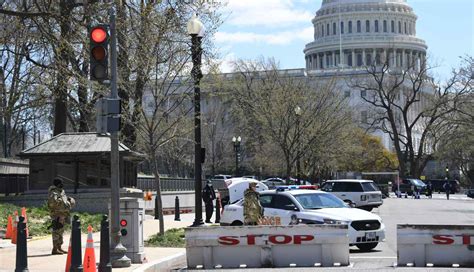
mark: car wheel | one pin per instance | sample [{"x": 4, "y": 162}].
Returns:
[
  {"x": 367, "y": 208},
  {"x": 367, "y": 246},
  {"x": 236, "y": 223}
]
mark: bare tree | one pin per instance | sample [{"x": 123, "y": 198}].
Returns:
[
  {"x": 290, "y": 112},
  {"x": 409, "y": 105}
]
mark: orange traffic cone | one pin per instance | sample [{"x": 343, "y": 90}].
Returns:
[
  {"x": 23, "y": 213},
  {"x": 9, "y": 233},
  {"x": 89, "y": 257},
  {"x": 68, "y": 259},
  {"x": 15, "y": 224}
]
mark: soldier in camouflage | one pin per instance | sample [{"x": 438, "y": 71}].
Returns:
[
  {"x": 253, "y": 211},
  {"x": 59, "y": 206}
]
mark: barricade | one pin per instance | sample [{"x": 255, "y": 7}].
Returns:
[
  {"x": 267, "y": 246},
  {"x": 435, "y": 245}
]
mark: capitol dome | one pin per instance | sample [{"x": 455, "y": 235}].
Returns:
[{"x": 364, "y": 32}]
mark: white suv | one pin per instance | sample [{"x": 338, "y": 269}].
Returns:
[
  {"x": 362, "y": 194},
  {"x": 287, "y": 207}
]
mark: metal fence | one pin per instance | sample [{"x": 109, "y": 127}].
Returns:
[
  {"x": 13, "y": 184},
  {"x": 174, "y": 184},
  {"x": 167, "y": 184}
]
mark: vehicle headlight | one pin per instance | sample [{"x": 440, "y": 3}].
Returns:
[{"x": 334, "y": 222}]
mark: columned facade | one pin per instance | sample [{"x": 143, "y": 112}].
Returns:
[{"x": 370, "y": 31}]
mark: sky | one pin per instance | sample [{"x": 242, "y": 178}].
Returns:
[{"x": 281, "y": 28}]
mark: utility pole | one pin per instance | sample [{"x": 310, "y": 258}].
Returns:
[{"x": 118, "y": 257}]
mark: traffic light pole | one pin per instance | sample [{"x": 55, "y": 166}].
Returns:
[{"x": 117, "y": 250}]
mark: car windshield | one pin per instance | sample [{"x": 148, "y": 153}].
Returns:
[
  {"x": 369, "y": 187},
  {"x": 418, "y": 182},
  {"x": 319, "y": 201}
]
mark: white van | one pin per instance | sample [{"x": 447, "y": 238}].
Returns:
[{"x": 362, "y": 194}]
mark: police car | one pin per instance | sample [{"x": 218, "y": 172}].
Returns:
[{"x": 287, "y": 206}]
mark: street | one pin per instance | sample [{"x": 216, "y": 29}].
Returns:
[{"x": 458, "y": 210}]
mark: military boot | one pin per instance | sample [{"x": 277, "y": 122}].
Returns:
[
  {"x": 62, "y": 250},
  {"x": 56, "y": 251}
]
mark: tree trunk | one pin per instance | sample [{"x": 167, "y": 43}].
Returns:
[
  {"x": 158, "y": 200},
  {"x": 60, "y": 90}
]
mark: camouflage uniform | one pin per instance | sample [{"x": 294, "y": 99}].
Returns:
[
  {"x": 59, "y": 206},
  {"x": 253, "y": 211}
]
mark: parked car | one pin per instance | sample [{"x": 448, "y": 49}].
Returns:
[
  {"x": 470, "y": 193},
  {"x": 293, "y": 206},
  {"x": 362, "y": 194},
  {"x": 272, "y": 183},
  {"x": 438, "y": 184},
  {"x": 406, "y": 186}
]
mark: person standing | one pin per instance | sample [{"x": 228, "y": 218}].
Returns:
[
  {"x": 208, "y": 196},
  {"x": 429, "y": 189},
  {"x": 447, "y": 188},
  {"x": 253, "y": 210},
  {"x": 59, "y": 206}
]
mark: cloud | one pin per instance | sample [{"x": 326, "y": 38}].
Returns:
[
  {"x": 277, "y": 38},
  {"x": 267, "y": 13}
]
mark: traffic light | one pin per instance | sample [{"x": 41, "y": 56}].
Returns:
[
  {"x": 123, "y": 225},
  {"x": 99, "y": 48}
]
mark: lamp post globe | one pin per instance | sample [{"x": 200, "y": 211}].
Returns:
[{"x": 196, "y": 31}]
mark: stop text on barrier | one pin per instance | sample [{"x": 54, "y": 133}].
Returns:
[
  {"x": 277, "y": 239},
  {"x": 461, "y": 239}
]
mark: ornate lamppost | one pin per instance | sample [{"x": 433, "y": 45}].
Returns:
[
  {"x": 237, "y": 141},
  {"x": 196, "y": 31}
]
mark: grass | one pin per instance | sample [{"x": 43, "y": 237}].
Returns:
[
  {"x": 39, "y": 220},
  {"x": 171, "y": 238}
]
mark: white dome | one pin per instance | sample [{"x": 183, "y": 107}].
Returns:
[{"x": 327, "y": 3}]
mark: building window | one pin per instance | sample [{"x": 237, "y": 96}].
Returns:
[
  {"x": 350, "y": 27},
  {"x": 399, "y": 27},
  {"x": 368, "y": 60},
  {"x": 334, "y": 29},
  {"x": 322, "y": 29},
  {"x": 359, "y": 59},
  {"x": 405, "y": 27},
  {"x": 393, "y": 26},
  {"x": 358, "y": 27},
  {"x": 328, "y": 59},
  {"x": 342, "y": 27},
  {"x": 410, "y": 30},
  {"x": 363, "y": 117},
  {"x": 385, "y": 26},
  {"x": 363, "y": 93},
  {"x": 367, "y": 26},
  {"x": 377, "y": 25},
  {"x": 347, "y": 94},
  {"x": 349, "y": 59}
]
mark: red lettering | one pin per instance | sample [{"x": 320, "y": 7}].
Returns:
[
  {"x": 466, "y": 239},
  {"x": 300, "y": 238},
  {"x": 250, "y": 239},
  {"x": 442, "y": 240},
  {"x": 228, "y": 240},
  {"x": 274, "y": 239}
]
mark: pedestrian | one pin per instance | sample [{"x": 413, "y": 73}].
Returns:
[
  {"x": 208, "y": 196},
  {"x": 412, "y": 189},
  {"x": 417, "y": 192},
  {"x": 429, "y": 189},
  {"x": 253, "y": 210},
  {"x": 59, "y": 206},
  {"x": 447, "y": 188}
]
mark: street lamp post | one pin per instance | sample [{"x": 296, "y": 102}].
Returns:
[
  {"x": 196, "y": 31},
  {"x": 298, "y": 113},
  {"x": 236, "y": 141}
]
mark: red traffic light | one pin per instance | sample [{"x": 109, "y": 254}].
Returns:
[
  {"x": 98, "y": 34},
  {"x": 123, "y": 223}
]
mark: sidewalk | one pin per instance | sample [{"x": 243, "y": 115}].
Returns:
[{"x": 41, "y": 260}]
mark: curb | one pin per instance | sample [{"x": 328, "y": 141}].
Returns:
[{"x": 164, "y": 264}]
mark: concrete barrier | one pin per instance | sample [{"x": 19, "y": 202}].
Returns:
[
  {"x": 267, "y": 246},
  {"x": 433, "y": 245}
]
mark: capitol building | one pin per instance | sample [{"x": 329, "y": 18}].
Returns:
[{"x": 350, "y": 35}]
